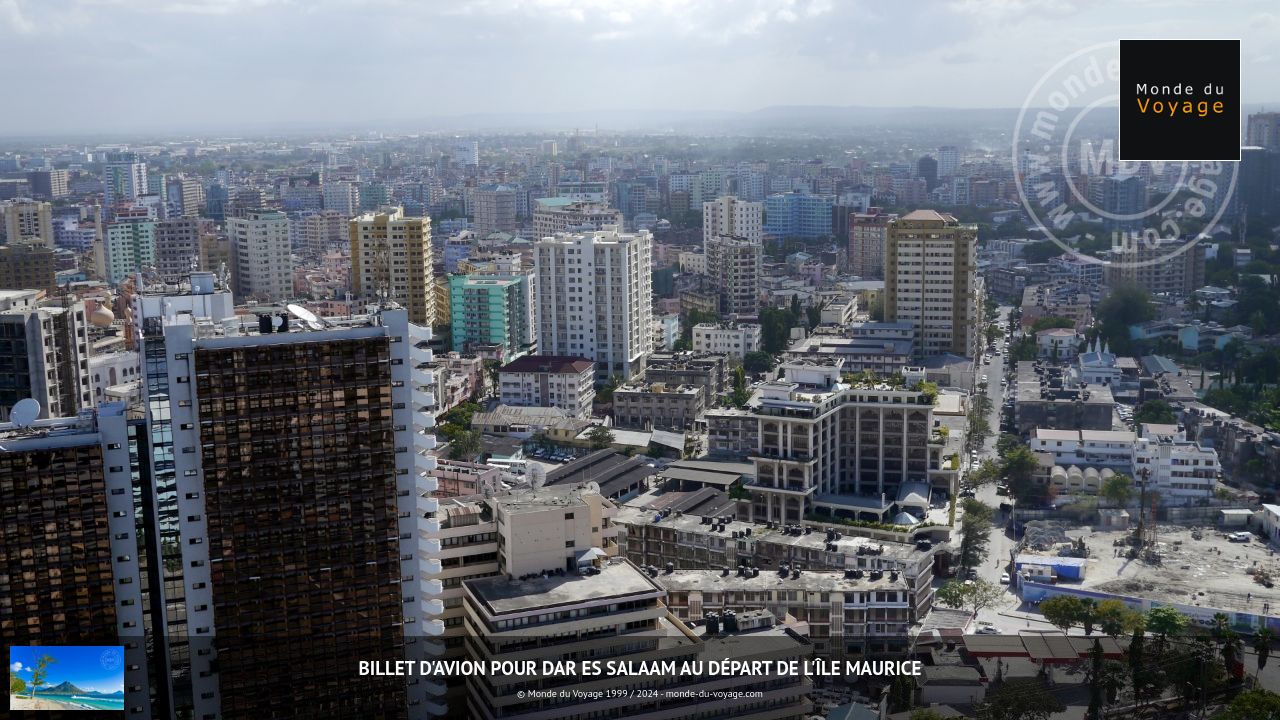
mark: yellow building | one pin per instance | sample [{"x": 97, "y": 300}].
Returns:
[
  {"x": 931, "y": 280},
  {"x": 391, "y": 258}
]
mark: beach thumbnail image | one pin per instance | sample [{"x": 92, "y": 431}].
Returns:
[{"x": 66, "y": 677}]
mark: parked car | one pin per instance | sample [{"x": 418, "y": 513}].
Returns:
[{"x": 1004, "y": 578}]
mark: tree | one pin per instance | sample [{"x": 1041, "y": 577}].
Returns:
[
  {"x": 1018, "y": 468},
  {"x": 465, "y": 445},
  {"x": 757, "y": 362},
  {"x": 1006, "y": 443},
  {"x": 925, "y": 714},
  {"x": 975, "y": 532},
  {"x": 1115, "y": 618},
  {"x": 1020, "y": 699},
  {"x": 1118, "y": 489},
  {"x": 1154, "y": 411},
  {"x": 987, "y": 472},
  {"x": 1256, "y": 704},
  {"x": 739, "y": 396},
  {"x": 1127, "y": 304},
  {"x": 16, "y": 684},
  {"x": 1165, "y": 622},
  {"x": 605, "y": 393},
  {"x": 40, "y": 673},
  {"x": 1262, "y": 646},
  {"x": 974, "y": 594},
  {"x": 1050, "y": 322},
  {"x": 1063, "y": 611},
  {"x": 1097, "y": 694},
  {"x": 600, "y": 437},
  {"x": 876, "y": 309}
]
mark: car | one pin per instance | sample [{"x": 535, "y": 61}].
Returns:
[
  {"x": 1004, "y": 578},
  {"x": 1239, "y": 537},
  {"x": 986, "y": 378},
  {"x": 988, "y": 631},
  {"x": 968, "y": 494}
]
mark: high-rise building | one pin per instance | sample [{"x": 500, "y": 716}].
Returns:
[
  {"x": 177, "y": 247},
  {"x": 734, "y": 266},
  {"x": 291, "y": 481},
  {"x": 557, "y": 215},
  {"x": 595, "y": 299},
  {"x": 262, "y": 267},
  {"x": 494, "y": 209},
  {"x": 868, "y": 233},
  {"x": 124, "y": 178},
  {"x": 931, "y": 280},
  {"x": 71, "y": 548},
  {"x": 379, "y": 241},
  {"x": 1160, "y": 267},
  {"x": 28, "y": 267},
  {"x": 320, "y": 231},
  {"x": 489, "y": 315},
  {"x": 1122, "y": 200},
  {"x": 127, "y": 248},
  {"x": 184, "y": 196},
  {"x": 44, "y": 355},
  {"x": 727, "y": 215},
  {"x": 797, "y": 214},
  {"x": 948, "y": 161},
  {"x": 1264, "y": 131},
  {"x": 1258, "y": 183},
  {"x": 342, "y": 197},
  {"x": 27, "y": 221},
  {"x": 466, "y": 152},
  {"x": 927, "y": 168},
  {"x": 49, "y": 184}
]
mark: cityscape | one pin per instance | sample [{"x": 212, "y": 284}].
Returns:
[{"x": 328, "y": 404}]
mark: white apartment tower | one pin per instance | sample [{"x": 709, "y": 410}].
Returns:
[
  {"x": 262, "y": 266},
  {"x": 595, "y": 295},
  {"x": 343, "y": 197},
  {"x": 727, "y": 215}
]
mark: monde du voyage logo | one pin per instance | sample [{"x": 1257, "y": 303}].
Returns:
[{"x": 1180, "y": 100}]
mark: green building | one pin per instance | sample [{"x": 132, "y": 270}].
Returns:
[{"x": 491, "y": 315}]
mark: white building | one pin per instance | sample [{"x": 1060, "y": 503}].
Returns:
[
  {"x": 1057, "y": 343},
  {"x": 1086, "y": 448},
  {"x": 261, "y": 264},
  {"x": 729, "y": 216},
  {"x": 734, "y": 265},
  {"x": 549, "y": 381},
  {"x": 109, "y": 369},
  {"x": 342, "y": 197},
  {"x": 1177, "y": 467},
  {"x": 595, "y": 298},
  {"x": 732, "y": 340},
  {"x": 692, "y": 262}
]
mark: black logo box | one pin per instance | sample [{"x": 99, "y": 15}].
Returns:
[{"x": 1189, "y": 65}]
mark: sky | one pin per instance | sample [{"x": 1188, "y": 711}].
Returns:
[
  {"x": 147, "y": 65},
  {"x": 81, "y": 665}
]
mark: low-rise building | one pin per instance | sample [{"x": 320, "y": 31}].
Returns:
[
  {"x": 690, "y": 368},
  {"x": 660, "y": 406},
  {"x": 1057, "y": 343},
  {"x": 549, "y": 381},
  {"x": 1174, "y": 466},
  {"x": 726, "y": 339}
]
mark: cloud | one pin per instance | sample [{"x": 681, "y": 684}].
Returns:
[
  {"x": 11, "y": 17},
  {"x": 16, "y": 667}
]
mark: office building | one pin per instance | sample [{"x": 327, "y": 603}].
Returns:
[
  {"x": 466, "y": 152},
  {"x": 595, "y": 299},
  {"x": 732, "y": 340},
  {"x": 948, "y": 161},
  {"x": 28, "y": 267},
  {"x": 489, "y": 315},
  {"x": 927, "y": 169},
  {"x": 378, "y": 240},
  {"x": 1168, "y": 267},
  {"x": 729, "y": 216},
  {"x": 931, "y": 281},
  {"x": 1258, "y": 183},
  {"x": 559, "y": 214},
  {"x": 45, "y": 355},
  {"x": 27, "y": 221},
  {"x": 798, "y": 215},
  {"x": 1263, "y": 131},
  {"x": 1122, "y": 199},
  {"x": 49, "y": 184},
  {"x": 71, "y": 561},
  {"x": 342, "y": 198},
  {"x": 124, "y": 179},
  {"x": 177, "y": 247},
  {"x": 494, "y": 209},
  {"x": 734, "y": 266},
  {"x": 567, "y": 383},
  {"x": 868, "y": 235},
  {"x": 262, "y": 266},
  {"x": 128, "y": 247},
  {"x": 287, "y": 536},
  {"x": 321, "y": 231},
  {"x": 184, "y": 196}
]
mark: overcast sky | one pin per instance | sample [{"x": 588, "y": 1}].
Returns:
[{"x": 147, "y": 65}]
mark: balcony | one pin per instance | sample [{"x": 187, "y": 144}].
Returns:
[
  {"x": 421, "y": 355},
  {"x": 428, "y": 483},
  {"x": 431, "y": 526},
  {"x": 431, "y": 587},
  {"x": 431, "y": 566},
  {"x": 424, "y": 398},
  {"x": 433, "y": 628},
  {"x": 435, "y": 606},
  {"x": 435, "y": 709},
  {"x": 427, "y": 504},
  {"x": 426, "y": 463},
  {"x": 424, "y": 420},
  {"x": 431, "y": 546},
  {"x": 423, "y": 376},
  {"x": 424, "y": 440},
  {"x": 419, "y": 333}
]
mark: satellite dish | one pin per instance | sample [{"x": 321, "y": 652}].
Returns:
[
  {"x": 277, "y": 321},
  {"x": 591, "y": 488},
  {"x": 25, "y": 412},
  {"x": 307, "y": 317}
]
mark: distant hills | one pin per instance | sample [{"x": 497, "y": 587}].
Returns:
[{"x": 62, "y": 688}]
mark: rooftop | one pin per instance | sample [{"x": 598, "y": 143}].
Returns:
[
  {"x": 617, "y": 580},
  {"x": 770, "y": 579},
  {"x": 548, "y": 363}
]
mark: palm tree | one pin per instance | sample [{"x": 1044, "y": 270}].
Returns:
[
  {"x": 1262, "y": 645},
  {"x": 1232, "y": 649}
]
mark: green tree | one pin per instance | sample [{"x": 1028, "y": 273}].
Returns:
[
  {"x": 605, "y": 393},
  {"x": 876, "y": 309},
  {"x": 1115, "y": 618},
  {"x": 1127, "y": 304},
  {"x": 1118, "y": 489},
  {"x": 1154, "y": 411},
  {"x": 987, "y": 472},
  {"x": 1166, "y": 622},
  {"x": 600, "y": 437},
  {"x": 465, "y": 445},
  {"x": 925, "y": 714},
  {"x": 1097, "y": 693},
  {"x": 971, "y": 594},
  {"x": 40, "y": 673},
  {"x": 1262, "y": 646},
  {"x": 1050, "y": 322},
  {"x": 16, "y": 684},
  {"x": 1256, "y": 704},
  {"x": 739, "y": 396},
  {"x": 975, "y": 532},
  {"x": 1063, "y": 611},
  {"x": 1020, "y": 699},
  {"x": 1018, "y": 468},
  {"x": 1006, "y": 443},
  {"x": 757, "y": 362}
]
